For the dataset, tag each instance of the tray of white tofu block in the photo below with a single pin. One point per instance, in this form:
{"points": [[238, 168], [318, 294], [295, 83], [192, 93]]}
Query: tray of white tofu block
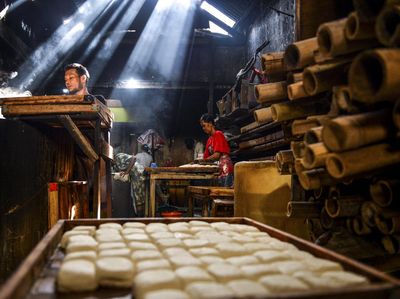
{"points": [[188, 258]]}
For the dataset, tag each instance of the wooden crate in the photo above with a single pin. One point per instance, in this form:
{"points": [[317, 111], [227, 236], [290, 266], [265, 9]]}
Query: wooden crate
{"points": [[36, 276]]}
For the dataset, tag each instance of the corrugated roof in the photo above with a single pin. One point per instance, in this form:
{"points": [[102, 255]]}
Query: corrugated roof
{"points": [[235, 9]]}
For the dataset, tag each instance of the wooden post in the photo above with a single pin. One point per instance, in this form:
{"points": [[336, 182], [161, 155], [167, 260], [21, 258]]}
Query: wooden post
{"points": [[354, 131], [373, 76], [322, 77], [300, 54], [351, 163]]}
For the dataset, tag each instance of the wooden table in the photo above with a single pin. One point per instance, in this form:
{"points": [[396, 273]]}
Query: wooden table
{"points": [[205, 193], [175, 173]]}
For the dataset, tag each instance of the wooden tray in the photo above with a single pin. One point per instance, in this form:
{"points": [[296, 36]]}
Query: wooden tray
{"points": [[36, 276]]}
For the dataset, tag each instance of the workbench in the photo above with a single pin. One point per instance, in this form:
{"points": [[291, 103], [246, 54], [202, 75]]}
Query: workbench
{"points": [[175, 173], [75, 113]]}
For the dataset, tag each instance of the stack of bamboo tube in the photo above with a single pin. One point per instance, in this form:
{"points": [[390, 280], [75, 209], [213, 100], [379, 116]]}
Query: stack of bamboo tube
{"points": [[347, 158]]}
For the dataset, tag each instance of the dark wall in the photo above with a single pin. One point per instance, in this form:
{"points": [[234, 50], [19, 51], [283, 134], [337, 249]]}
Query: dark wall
{"points": [[25, 169], [274, 22]]}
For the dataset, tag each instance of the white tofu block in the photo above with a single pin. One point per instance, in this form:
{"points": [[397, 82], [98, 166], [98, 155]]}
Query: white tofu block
{"points": [[182, 236], [162, 235], [121, 252], [111, 245], [137, 245], [283, 284], [153, 280], [198, 223], [321, 265], [192, 274], [134, 225], [225, 272], [152, 264], [229, 249], [245, 288], [76, 243], [167, 294], [175, 251], [256, 234], [257, 271], [137, 238], [253, 247], [244, 228], [182, 261], [115, 271], [67, 235], [243, 239], [289, 267], [243, 260], [168, 242], [76, 276], [112, 225], [202, 251], [208, 290], [269, 256], [90, 228], [195, 243], [210, 260], [83, 255], [347, 278], [141, 255], [132, 230], [156, 227], [105, 238]]}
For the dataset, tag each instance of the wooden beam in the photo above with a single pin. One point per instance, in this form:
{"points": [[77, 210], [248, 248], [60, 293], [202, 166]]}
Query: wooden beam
{"points": [[78, 137]]}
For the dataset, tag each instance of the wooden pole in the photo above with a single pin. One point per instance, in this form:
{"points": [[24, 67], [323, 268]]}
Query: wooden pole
{"points": [[348, 206], [332, 41], [300, 54], [271, 92], [299, 109], [361, 161], [313, 135], [388, 26], [315, 155], [384, 192], [296, 91], [373, 76], [263, 115], [357, 28], [354, 131], [322, 77], [303, 209]]}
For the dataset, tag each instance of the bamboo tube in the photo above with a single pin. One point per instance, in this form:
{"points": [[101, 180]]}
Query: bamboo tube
{"points": [[314, 135], [373, 76], [314, 178], [249, 127], [300, 54], [391, 243], [322, 77], [272, 63], [363, 160], [328, 222], [271, 92], [263, 115], [320, 193], [360, 227], [388, 26], [303, 209], [285, 161], [299, 109], [292, 77], [368, 211], [333, 42], [301, 126], [342, 97], [297, 148], [296, 91], [354, 131], [315, 155], [388, 222], [384, 192], [368, 9], [396, 114], [357, 28], [344, 207]]}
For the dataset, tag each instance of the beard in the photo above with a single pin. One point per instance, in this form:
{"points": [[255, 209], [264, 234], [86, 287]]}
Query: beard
{"points": [[76, 90]]}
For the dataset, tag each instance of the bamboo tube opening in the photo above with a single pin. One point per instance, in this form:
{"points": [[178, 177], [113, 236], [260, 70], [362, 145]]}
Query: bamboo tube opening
{"points": [[386, 226], [292, 56], [334, 193], [309, 157], [360, 227], [366, 74], [352, 26], [324, 40], [332, 207], [313, 136], [386, 26], [343, 98], [309, 82], [368, 8], [368, 211], [335, 166], [381, 193]]}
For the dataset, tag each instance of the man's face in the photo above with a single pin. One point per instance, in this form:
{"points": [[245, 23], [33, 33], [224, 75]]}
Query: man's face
{"points": [[73, 82], [207, 127]]}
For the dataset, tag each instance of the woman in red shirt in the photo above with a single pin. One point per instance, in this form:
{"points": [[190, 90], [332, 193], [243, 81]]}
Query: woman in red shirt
{"points": [[217, 149]]}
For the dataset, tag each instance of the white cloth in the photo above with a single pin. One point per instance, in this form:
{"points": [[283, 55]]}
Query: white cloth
{"points": [[143, 159]]}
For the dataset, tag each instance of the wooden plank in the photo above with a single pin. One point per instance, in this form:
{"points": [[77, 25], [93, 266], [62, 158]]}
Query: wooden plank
{"points": [[261, 140], [53, 216], [16, 110], [77, 135], [52, 99]]}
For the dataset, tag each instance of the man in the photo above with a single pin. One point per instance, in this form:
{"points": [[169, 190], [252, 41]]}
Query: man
{"points": [[76, 77]]}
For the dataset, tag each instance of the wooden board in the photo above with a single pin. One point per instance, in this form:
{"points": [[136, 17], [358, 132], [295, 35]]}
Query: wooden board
{"points": [[205, 169], [37, 274]]}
